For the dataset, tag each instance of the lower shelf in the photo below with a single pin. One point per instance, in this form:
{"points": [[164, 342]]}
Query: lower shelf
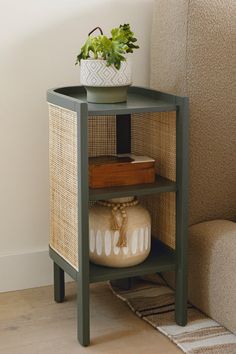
{"points": [[160, 259]]}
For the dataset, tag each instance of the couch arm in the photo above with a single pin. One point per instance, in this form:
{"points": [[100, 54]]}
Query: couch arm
{"points": [[212, 270]]}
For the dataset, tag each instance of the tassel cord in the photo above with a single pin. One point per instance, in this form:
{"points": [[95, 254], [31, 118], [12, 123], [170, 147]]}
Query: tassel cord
{"points": [[116, 210]]}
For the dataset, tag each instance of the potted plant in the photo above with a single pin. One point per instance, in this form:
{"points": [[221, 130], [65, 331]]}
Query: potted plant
{"points": [[105, 70]]}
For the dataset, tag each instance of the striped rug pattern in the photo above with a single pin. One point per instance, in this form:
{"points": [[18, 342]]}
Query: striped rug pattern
{"points": [[154, 303]]}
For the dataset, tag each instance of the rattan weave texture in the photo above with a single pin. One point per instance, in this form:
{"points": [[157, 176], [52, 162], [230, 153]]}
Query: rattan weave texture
{"points": [[154, 134], [102, 135], [63, 183], [63, 173]]}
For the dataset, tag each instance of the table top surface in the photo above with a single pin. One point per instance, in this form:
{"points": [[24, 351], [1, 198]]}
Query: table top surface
{"points": [[139, 99]]}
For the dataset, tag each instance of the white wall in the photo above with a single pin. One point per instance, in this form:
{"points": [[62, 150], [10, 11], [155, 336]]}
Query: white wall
{"points": [[39, 41]]}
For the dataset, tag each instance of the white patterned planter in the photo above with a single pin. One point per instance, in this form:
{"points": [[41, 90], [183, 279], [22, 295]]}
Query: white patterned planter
{"points": [[96, 73], [105, 84], [103, 240]]}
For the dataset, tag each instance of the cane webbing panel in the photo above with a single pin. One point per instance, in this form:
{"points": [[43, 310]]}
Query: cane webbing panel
{"points": [[154, 134], [64, 174], [63, 183], [102, 135]]}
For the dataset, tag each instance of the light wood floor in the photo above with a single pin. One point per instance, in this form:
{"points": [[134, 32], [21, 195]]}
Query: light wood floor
{"points": [[32, 323]]}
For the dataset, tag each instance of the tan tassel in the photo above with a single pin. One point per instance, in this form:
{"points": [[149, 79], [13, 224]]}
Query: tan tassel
{"points": [[119, 208], [114, 223], [122, 242]]}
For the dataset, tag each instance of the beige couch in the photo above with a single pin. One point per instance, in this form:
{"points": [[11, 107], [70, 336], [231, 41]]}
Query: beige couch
{"points": [[193, 54]]}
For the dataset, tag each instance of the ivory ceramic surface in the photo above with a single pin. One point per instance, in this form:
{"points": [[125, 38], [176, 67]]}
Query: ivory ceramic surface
{"points": [[96, 73], [103, 240]]}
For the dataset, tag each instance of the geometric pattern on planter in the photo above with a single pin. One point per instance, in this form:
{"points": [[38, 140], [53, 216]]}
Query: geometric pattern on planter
{"points": [[97, 73]]}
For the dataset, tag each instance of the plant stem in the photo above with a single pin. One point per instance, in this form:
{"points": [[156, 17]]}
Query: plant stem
{"points": [[99, 28]]}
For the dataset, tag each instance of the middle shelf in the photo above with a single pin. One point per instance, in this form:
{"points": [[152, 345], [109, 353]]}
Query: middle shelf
{"points": [[160, 185]]}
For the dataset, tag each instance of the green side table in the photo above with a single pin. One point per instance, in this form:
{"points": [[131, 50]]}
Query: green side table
{"points": [[150, 122]]}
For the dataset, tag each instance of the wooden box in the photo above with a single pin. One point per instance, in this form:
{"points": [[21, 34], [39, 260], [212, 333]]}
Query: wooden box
{"points": [[120, 170]]}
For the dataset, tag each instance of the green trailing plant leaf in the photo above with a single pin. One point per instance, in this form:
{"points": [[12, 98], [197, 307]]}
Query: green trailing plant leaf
{"points": [[91, 45], [124, 34], [112, 49]]}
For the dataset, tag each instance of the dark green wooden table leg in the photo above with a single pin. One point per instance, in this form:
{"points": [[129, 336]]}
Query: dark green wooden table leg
{"points": [[181, 210], [59, 283], [181, 297], [83, 313]]}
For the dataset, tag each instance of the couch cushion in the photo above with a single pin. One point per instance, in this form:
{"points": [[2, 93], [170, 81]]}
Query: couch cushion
{"points": [[212, 270]]}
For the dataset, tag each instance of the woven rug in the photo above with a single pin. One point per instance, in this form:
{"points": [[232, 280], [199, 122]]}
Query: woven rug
{"points": [[153, 301]]}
